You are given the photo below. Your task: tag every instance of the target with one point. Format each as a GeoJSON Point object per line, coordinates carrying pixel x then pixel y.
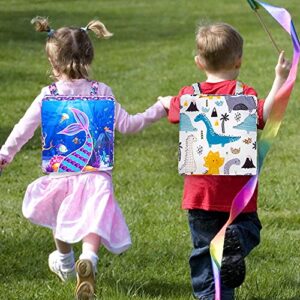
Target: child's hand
{"type": "Point", "coordinates": [283, 67]}
{"type": "Point", "coordinates": [3, 163]}
{"type": "Point", "coordinates": [165, 101]}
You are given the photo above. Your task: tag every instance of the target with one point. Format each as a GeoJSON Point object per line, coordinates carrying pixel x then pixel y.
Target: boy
{"type": "Point", "coordinates": [208, 198]}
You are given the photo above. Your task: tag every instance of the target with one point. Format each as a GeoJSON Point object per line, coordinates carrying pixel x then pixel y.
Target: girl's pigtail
{"type": "Point", "coordinates": [41, 24]}
{"type": "Point", "coordinates": [99, 29]}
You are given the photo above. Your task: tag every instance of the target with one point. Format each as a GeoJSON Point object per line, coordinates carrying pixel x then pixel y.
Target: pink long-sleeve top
{"type": "Point", "coordinates": [124, 122]}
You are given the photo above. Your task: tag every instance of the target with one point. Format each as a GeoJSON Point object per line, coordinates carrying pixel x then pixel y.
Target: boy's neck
{"type": "Point", "coordinates": [222, 75]}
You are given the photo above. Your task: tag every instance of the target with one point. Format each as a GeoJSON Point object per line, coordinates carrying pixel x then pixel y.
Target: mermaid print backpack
{"type": "Point", "coordinates": [218, 133]}
{"type": "Point", "coordinates": [77, 132]}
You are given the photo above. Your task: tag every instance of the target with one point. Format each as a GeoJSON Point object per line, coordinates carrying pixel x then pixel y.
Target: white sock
{"type": "Point", "coordinates": [67, 259]}
{"type": "Point", "coordinates": [92, 256]}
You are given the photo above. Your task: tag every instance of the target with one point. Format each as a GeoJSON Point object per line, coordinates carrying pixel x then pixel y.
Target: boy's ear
{"type": "Point", "coordinates": [238, 63]}
{"type": "Point", "coordinates": [198, 62]}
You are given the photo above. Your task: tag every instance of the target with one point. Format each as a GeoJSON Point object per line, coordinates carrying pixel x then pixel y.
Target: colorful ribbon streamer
{"type": "Point", "coordinates": [269, 133]}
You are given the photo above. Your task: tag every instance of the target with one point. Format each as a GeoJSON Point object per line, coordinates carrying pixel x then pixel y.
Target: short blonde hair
{"type": "Point", "coordinates": [218, 46]}
{"type": "Point", "coordinates": [70, 49]}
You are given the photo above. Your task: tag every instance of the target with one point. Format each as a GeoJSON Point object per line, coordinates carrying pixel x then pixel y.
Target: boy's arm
{"type": "Point", "coordinates": [282, 70]}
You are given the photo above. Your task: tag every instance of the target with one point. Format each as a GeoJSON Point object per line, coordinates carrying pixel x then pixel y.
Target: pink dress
{"type": "Point", "coordinates": [74, 205]}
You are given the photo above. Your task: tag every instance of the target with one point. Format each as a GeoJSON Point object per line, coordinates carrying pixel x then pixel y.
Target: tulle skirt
{"type": "Point", "coordinates": [74, 206]}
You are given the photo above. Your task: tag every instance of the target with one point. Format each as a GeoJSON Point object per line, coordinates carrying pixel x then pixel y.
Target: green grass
{"type": "Point", "coordinates": [150, 54]}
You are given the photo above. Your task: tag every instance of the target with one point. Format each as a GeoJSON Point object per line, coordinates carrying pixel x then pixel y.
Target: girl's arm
{"type": "Point", "coordinates": [22, 132]}
{"type": "Point", "coordinates": [126, 123]}
{"type": "Point", "coordinates": [282, 70]}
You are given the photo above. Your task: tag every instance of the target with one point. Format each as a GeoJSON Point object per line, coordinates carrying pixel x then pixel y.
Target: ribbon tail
{"type": "Point", "coordinates": [269, 133]}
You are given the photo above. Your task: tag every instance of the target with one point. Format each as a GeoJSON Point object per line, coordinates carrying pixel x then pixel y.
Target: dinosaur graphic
{"type": "Point", "coordinates": [213, 161]}
{"type": "Point", "coordinates": [78, 159]}
{"type": "Point", "coordinates": [240, 102]}
{"type": "Point", "coordinates": [229, 163]}
{"type": "Point", "coordinates": [189, 165]}
{"type": "Point", "coordinates": [249, 124]}
{"type": "Point", "coordinates": [212, 137]}
{"type": "Point", "coordinates": [185, 123]}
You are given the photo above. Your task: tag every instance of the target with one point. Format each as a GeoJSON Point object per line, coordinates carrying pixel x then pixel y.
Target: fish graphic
{"type": "Point", "coordinates": [107, 130]}
{"type": "Point", "coordinates": [62, 148]}
{"type": "Point", "coordinates": [64, 117]}
{"type": "Point", "coordinates": [76, 140]}
{"type": "Point", "coordinates": [78, 159]}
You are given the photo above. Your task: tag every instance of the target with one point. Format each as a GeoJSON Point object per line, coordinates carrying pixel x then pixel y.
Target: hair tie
{"type": "Point", "coordinates": [50, 32]}
{"type": "Point", "coordinates": [85, 29]}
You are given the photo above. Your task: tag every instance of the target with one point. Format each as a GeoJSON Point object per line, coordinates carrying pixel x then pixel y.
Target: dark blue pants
{"type": "Point", "coordinates": [204, 225]}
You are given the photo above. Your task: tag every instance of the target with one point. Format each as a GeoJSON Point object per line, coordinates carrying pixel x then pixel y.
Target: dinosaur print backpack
{"type": "Point", "coordinates": [218, 133]}
{"type": "Point", "coordinates": [77, 132]}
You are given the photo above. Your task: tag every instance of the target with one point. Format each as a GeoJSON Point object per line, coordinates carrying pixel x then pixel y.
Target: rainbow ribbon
{"type": "Point", "coordinates": [269, 133]}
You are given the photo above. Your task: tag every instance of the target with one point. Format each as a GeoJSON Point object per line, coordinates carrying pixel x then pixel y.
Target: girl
{"type": "Point", "coordinates": [78, 118]}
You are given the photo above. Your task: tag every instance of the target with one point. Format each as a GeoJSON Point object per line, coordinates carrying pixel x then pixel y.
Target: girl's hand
{"type": "Point", "coordinates": [283, 67]}
{"type": "Point", "coordinates": [3, 163]}
{"type": "Point", "coordinates": [165, 101]}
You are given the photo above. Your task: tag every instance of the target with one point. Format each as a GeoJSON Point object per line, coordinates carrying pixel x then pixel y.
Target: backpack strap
{"type": "Point", "coordinates": [94, 88]}
{"type": "Point", "coordinates": [197, 88]}
{"type": "Point", "coordinates": [53, 89]}
{"type": "Point", "coordinates": [239, 89]}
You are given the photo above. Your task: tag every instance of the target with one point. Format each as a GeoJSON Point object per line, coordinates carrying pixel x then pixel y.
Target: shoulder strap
{"type": "Point", "coordinates": [94, 88]}
{"type": "Point", "coordinates": [197, 88]}
{"type": "Point", "coordinates": [239, 89]}
{"type": "Point", "coordinates": [53, 89]}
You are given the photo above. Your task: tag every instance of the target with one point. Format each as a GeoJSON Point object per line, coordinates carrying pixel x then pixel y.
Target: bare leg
{"type": "Point", "coordinates": [86, 266]}
{"type": "Point", "coordinates": [91, 243]}
{"type": "Point", "coordinates": [62, 247]}
{"type": "Point", "coordinates": [61, 261]}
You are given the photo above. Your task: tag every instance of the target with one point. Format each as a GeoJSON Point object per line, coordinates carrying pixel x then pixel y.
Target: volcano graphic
{"type": "Point", "coordinates": [192, 107]}
{"type": "Point", "coordinates": [248, 164]}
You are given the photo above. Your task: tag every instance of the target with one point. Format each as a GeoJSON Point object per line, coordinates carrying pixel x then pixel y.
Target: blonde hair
{"type": "Point", "coordinates": [70, 49]}
{"type": "Point", "coordinates": [218, 46]}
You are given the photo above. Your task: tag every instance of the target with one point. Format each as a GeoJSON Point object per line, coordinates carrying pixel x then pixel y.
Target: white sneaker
{"type": "Point", "coordinates": [55, 266]}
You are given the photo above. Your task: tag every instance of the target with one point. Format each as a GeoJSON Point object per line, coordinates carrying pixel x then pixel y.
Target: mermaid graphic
{"type": "Point", "coordinates": [77, 160]}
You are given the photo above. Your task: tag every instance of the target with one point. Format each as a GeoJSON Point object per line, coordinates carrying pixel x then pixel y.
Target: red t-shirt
{"type": "Point", "coordinates": [212, 192]}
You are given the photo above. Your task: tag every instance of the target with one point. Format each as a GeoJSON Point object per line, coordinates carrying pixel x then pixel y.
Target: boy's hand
{"type": "Point", "coordinates": [283, 67]}
{"type": "Point", "coordinates": [165, 101]}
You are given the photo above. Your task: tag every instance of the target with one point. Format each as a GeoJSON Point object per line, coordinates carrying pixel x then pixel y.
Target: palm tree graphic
{"type": "Point", "coordinates": [224, 118]}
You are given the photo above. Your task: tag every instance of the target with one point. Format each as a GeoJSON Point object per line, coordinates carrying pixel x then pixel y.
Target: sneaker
{"type": "Point", "coordinates": [85, 288]}
{"type": "Point", "coordinates": [55, 266]}
{"type": "Point", "coordinates": [233, 268]}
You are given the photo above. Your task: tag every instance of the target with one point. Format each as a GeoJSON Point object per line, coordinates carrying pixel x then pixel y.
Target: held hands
{"type": "Point", "coordinates": [165, 101]}
{"type": "Point", "coordinates": [283, 67]}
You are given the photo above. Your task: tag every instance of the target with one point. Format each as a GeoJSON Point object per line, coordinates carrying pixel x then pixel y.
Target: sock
{"type": "Point", "coordinates": [67, 259]}
{"type": "Point", "coordinates": [92, 256]}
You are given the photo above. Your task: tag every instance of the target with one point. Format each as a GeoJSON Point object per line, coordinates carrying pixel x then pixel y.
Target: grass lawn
{"type": "Point", "coordinates": [150, 54]}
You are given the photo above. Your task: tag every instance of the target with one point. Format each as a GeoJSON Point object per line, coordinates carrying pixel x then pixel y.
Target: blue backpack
{"type": "Point", "coordinates": [77, 132]}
